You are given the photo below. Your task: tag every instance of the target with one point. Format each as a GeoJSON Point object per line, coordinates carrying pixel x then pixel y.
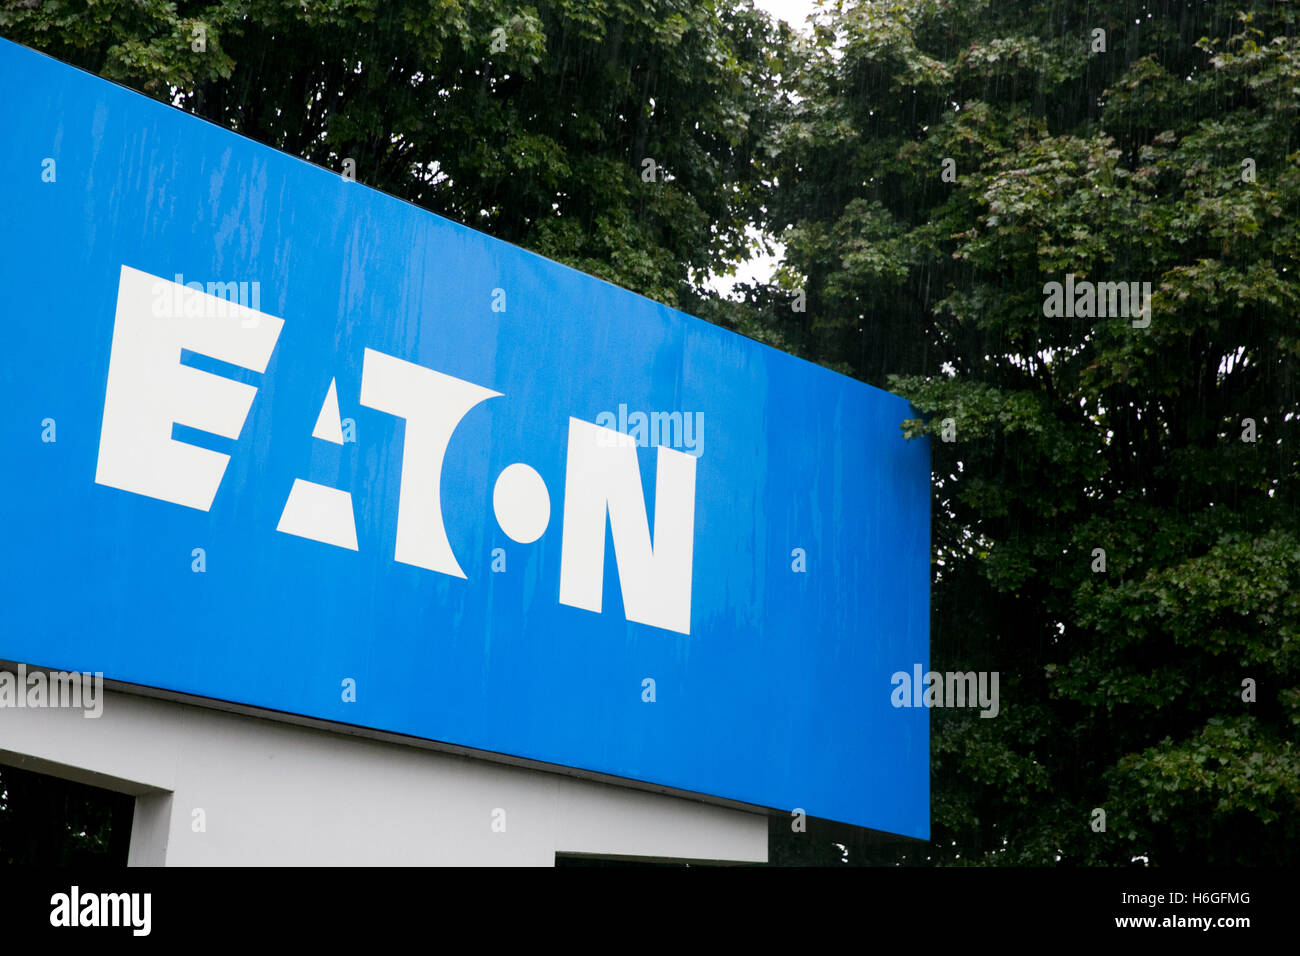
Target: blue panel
{"type": "Point", "coordinates": [778, 696]}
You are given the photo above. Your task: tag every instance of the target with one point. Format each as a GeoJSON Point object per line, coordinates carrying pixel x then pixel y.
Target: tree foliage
{"type": "Point", "coordinates": [1122, 689]}
{"type": "Point", "coordinates": [530, 122]}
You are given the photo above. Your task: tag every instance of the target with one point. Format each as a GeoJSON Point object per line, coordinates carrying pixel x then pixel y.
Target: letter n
{"type": "Point", "coordinates": [602, 478]}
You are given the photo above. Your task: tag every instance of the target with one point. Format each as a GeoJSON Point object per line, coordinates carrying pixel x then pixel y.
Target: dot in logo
{"type": "Point", "coordinates": [521, 503]}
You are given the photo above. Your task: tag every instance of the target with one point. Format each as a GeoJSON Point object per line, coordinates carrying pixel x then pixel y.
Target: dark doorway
{"type": "Point", "coordinates": [47, 821]}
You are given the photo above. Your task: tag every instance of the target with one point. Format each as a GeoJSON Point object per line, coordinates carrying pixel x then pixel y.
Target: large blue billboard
{"type": "Point", "coordinates": [272, 437]}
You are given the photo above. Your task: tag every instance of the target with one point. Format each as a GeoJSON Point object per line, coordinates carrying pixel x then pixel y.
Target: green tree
{"type": "Point", "coordinates": [622, 137]}
{"type": "Point", "coordinates": [1121, 689]}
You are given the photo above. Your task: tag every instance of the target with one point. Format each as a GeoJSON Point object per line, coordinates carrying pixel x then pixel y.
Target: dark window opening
{"type": "Point", "coordinates": [48, 821]}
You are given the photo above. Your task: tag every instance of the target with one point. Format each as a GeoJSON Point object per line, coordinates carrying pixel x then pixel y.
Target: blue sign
{"type": "Point", "coordinates": [272, 437]}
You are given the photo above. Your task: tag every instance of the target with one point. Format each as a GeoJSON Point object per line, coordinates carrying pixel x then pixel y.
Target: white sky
{"type": "Point", "coordinates": [792, 12]}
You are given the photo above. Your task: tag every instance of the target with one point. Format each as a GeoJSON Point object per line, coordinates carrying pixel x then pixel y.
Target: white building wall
{"type": "Point", "coordinates": [275, 793]}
